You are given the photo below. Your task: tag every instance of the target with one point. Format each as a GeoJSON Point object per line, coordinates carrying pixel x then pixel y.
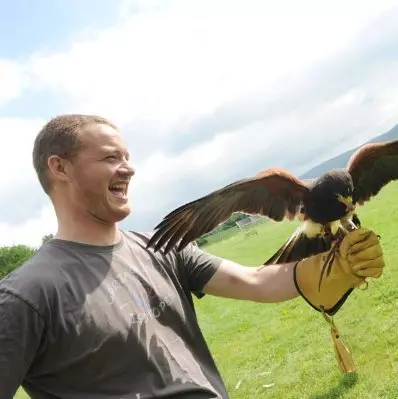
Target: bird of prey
{"type": "Point", "coordinates": [325, 206]}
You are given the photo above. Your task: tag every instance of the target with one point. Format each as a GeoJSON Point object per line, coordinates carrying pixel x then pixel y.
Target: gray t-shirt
{"type": "Point", "coordinates": [80, 322]}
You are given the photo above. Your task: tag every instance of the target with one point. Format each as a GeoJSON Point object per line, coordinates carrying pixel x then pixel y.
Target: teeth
{"type": "Point", "coordinates": [122, 187]}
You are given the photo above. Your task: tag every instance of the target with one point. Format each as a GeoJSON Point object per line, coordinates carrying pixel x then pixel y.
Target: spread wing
{"type": "Point", "coordinates": [273, 193]}
{"type": "Point", "coordinates": [372, 167]}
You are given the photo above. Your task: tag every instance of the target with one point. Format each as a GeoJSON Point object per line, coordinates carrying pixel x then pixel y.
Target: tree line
{"type": "Point", "coordinates": [14, 256]}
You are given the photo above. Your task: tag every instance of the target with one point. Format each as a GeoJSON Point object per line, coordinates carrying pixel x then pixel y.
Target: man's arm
{"type": "Point", "coordinates": [21, 329]}
{"type": "Point", "coordinates": [358, 257]}
{"type": "Point", "coordinates": [211, 274]}
{"type": "Point", "coordinates": [273, 283]}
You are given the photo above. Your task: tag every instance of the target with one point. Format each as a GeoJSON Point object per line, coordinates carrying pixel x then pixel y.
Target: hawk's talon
{"type": "Point", "coordinates": [330, 257]}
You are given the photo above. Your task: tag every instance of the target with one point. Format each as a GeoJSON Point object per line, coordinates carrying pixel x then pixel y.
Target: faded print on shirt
{"type": "Point", "coordinates": [121, 322]}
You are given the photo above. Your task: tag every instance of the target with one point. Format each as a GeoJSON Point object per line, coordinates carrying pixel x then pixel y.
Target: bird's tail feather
{"type": "Point", "coordinates": [309, 239]}
{"type": "Point", "coordinates": [299, 246]}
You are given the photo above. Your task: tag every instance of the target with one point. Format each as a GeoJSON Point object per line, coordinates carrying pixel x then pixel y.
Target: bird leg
{"type": "Point", "coordinates": [348, 225]}
{"type": "Point", "coordinates": [327, 266]}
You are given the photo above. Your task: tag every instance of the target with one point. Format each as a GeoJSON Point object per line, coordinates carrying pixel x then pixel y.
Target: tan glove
{"type": "Point", "coordinates": [358, 256]}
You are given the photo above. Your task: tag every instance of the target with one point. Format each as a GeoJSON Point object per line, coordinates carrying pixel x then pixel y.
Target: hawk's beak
{"type": "Point", "coordinates": [348, 202]}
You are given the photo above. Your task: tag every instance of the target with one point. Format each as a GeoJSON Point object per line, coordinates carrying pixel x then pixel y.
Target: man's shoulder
{"type": "Point", "coordinates": [45, 271]}
{"type": "Point", "coordinates": [34, 278]}
{"type": "Point", "coordinates": [29, 269]}
{"type": "Point", "coordinates": [192, 253]}
{"type": "Point", "coordinates": [135, 235]}
{"type": "Point", "coordinates": [140, 240]}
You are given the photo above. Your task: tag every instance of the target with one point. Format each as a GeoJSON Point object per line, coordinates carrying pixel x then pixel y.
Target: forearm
{"type": "Point", "coordinates": [273, 283]}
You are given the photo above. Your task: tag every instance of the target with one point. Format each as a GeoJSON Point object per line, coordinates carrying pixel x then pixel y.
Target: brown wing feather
{"type": "Point", "coordinates": [372, 167]}
{"type": "Point", "coordinates": [274, 193]}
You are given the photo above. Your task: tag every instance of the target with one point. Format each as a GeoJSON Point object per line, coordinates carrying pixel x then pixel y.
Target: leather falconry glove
{"type": "Point", "coordinates": [357, 257]}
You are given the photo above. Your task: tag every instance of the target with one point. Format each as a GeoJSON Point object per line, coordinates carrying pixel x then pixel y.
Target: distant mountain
{"type": "Point", "coordinates": [341, 160]}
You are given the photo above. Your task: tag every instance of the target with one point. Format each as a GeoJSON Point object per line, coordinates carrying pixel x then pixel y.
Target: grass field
{"type": "Point", "coordinates": [285, 350]}
{"type": "Point", "coordinates": [288, 345]}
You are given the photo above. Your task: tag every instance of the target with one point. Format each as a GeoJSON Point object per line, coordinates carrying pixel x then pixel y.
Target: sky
{"type": "Point", "coordinates": [204, 92]}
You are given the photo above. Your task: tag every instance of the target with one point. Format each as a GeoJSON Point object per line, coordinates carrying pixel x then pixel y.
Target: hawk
{"type": "Point", "coordinates": [326, 206]}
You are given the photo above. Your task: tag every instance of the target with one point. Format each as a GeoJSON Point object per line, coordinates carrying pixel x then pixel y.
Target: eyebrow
{"type": "Point", "coordinates": [109, 149]}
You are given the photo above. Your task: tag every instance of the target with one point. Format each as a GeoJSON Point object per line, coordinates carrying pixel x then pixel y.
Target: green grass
{"type": "Point", "coordinates": [289, 344]}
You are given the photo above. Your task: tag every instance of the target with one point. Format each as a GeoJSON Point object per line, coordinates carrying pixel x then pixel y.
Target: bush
{"type": "Point", "coordinates": [13, 257]}
{"type": "Point", "coordinates": [201, 241]}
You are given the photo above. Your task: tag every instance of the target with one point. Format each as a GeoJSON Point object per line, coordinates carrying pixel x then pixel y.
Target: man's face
{"type": "Point", "coordinates": [100, 175]}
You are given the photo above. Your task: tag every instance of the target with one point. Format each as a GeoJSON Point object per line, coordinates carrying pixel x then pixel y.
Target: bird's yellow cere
{"type": "Point", "coordinates": [345, 200]}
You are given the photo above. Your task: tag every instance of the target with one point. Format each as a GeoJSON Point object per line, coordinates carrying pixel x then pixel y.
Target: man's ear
{"type": "Point", "coordinates": [58, 168]}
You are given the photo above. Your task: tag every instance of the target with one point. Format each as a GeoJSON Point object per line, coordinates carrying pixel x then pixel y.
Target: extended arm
{"type": "Point", "coordinates": [358, 257]}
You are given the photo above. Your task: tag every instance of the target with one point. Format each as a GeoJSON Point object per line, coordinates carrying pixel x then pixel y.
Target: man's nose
{"type": "Point", "coordinates": [127, 169]}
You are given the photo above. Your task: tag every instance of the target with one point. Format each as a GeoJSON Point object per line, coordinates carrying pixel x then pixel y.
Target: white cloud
{"type": "Point", "coordinates": [185, 59]}
{"type": "Point", "coordinates": [13, 80]}
{"type": "Point", "coordinates": [297, 141]}
{"type": "Point", "coordinates": [31, 231]}
{"type": "Point", "coordinates": [23, 205]}
{"type": "Point", "coordinates": [18, 135]}
{"type": "Point", "coordinates": [211, 72]}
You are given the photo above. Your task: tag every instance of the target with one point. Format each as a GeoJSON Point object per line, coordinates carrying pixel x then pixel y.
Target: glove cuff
{"type": "Point", "coordinates": [330, 311]}
{"type": "Point", "coordinates": [299, 289]}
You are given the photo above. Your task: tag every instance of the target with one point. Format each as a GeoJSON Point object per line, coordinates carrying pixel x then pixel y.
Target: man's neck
{"type": "Point", "coordinates": [87, 231]}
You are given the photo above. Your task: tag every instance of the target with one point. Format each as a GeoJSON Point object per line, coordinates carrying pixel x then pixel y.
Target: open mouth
{"type": "Point", "coordinates": [119, 190]}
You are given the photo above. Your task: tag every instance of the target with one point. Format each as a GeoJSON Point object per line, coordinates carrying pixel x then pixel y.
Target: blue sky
{"type": "Point", "coordinates": [44, 26]}
{"type": "Point", "coordinates": [28, 26]}
{"type": "Point", "coordinates": [196, 87]}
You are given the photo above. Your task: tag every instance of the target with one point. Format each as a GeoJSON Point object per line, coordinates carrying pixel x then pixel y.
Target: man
{"type": "Point", "coordinates": [95, 314]}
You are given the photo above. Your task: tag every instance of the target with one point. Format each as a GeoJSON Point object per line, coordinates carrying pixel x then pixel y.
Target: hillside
{"type": "Point", "coordinates": [342, 159]}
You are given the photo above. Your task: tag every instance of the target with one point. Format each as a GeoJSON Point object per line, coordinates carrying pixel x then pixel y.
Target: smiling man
{"type": "Point", "coordinates": [96, 314]}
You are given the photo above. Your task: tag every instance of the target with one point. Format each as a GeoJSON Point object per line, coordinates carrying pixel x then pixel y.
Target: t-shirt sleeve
{"type": "Point", "coordinates": [21, 329]}
{"type": "Point", "coordinates": [199, 266]}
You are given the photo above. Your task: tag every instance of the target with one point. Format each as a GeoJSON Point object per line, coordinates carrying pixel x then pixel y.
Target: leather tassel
{"type": "Point", "coordinates": [343, 355]}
